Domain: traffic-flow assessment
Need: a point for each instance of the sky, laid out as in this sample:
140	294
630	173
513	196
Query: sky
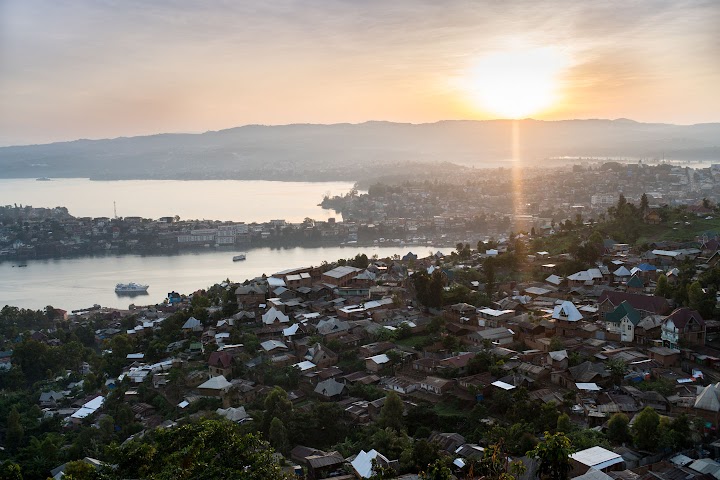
74	69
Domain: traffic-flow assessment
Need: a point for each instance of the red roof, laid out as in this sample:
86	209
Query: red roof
220	359
649	303
681	317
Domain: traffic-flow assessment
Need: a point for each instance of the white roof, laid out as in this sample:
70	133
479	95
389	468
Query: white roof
192	322
273	315
183	404
597	457
268	345
622	272
274	282
537	290
305	365
666	253
379	359
363	462
554	279
588	387
232	414
567	311
291	330
89	408
495	313
503	385
216	383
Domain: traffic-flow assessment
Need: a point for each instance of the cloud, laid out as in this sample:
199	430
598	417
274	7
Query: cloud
126	67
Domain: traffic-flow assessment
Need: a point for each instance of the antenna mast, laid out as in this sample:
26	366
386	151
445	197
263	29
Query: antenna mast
115	209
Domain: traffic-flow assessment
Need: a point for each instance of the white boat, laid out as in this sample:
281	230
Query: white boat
239	257
131	287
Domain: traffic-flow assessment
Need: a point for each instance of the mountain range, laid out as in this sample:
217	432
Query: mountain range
355	151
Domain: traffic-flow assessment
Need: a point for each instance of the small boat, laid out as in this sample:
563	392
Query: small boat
23	265
131	287
239	257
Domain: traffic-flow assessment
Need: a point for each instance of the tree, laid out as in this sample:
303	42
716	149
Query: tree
662	288
644	204
278	436
436	471
645	429
277	404
10	471
618	430
14	431
564	424
553	456
617	369
207	449
79	470
556	344
391	414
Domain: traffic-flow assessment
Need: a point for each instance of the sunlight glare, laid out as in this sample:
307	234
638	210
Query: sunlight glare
518	83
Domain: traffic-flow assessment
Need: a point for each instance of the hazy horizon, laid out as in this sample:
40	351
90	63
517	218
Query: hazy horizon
232	127
108	69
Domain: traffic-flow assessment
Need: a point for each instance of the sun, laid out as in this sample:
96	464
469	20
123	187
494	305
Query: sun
517	83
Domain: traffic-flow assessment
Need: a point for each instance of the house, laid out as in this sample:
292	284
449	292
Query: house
399	385
623	321
707	403
558	360
330	389
271	346
362	464
321	464
215	387
251	296
274	316
51	399
597	458
566	316
192	325
321	356
645	304
426	365
683	327
332	327
340	276
667	357
220	363
236	415
635	284
377	362
496	336
436	385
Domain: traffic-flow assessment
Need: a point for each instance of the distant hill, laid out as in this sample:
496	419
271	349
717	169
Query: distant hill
353	151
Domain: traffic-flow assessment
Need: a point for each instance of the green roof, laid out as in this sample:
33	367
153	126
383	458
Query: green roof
635	282
621	311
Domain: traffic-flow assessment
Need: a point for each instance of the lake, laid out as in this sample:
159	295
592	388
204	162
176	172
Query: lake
237	200
74	283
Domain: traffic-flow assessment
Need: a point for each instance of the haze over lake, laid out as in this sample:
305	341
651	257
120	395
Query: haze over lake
74	283
237	200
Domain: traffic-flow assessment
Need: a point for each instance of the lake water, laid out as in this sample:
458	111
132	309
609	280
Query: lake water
76	283
237	200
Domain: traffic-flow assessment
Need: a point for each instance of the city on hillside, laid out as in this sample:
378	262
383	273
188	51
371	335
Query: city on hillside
469	364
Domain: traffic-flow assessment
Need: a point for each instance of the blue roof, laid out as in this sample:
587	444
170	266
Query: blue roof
646	267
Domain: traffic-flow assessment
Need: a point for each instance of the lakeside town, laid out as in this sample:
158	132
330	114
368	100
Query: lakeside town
586	348
468	206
